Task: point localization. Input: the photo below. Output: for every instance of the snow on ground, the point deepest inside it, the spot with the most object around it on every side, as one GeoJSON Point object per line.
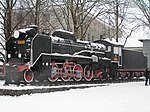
{"type": "Point", "coordinates": [125, 97]}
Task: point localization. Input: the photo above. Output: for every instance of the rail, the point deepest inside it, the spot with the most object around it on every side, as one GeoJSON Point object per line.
{"type": "Point", "coordinates": [1, 73]}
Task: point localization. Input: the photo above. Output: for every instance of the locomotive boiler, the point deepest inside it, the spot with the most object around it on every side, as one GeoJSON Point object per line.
{"type": "Point", "coordinates": [32, 56]}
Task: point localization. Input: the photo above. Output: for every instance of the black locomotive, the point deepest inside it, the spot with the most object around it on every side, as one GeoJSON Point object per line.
{"type": "Point", "coordinates": [32, 56]}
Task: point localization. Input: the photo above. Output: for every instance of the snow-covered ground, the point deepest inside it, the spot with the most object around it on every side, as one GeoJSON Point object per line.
{"type": "Point", "coordinates": [125, 97]}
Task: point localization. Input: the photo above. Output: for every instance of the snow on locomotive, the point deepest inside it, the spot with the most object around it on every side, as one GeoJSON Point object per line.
{"type": "Point", "coordinates": [32, 56]}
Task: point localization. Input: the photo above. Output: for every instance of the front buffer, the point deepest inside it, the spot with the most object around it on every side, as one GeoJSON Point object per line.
{"type": "Point", "coordinates": [17, 72]}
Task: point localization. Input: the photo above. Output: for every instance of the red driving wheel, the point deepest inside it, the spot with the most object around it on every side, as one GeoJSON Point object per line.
{"type": "Point", "coordinates": [54, 73]}
{"type": "Point", "coordinates": [88, 73]}
{"type": "Point", "coordinates": [66, 73]}
{"type": "Point", "coordinates": [28, 76]}
{"type": "Point", "coordinates": [77, 71]}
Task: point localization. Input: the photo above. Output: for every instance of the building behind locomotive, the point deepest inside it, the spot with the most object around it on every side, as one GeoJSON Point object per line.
{"type": "Point", "coordinates": [146, 49]}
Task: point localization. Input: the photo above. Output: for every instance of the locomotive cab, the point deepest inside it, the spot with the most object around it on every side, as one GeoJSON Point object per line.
{"type": "Point", "coordinates": [113, 51]}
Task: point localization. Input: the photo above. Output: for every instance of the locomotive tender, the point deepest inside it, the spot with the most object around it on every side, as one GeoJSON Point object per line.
{"type": "Point", "coordinates": [132, 63]}
{"type": "Point", "coordinates": [37, 57]}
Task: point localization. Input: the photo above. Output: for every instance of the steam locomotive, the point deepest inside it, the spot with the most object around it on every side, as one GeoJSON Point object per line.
{"type": "Point", "coordinates": [32, 56]}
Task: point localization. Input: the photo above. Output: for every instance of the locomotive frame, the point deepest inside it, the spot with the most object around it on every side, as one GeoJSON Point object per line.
{"type": "Point", "coordinates": [32, 56]}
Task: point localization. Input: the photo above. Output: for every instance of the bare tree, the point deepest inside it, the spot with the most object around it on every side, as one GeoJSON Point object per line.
{"type": "Point", "coordinates": [8, 23]}
{"type": "Point", "coordinates": [144, 6]}
{"type": "Point", "coordinates": [6, 17]}
{"type": "Point", "coordinates": [122, 19]}
{"type": "Point", "coordinates": [78, 14]}
{"type": "Point", "coordinates": [40, 13]}
{"type": "Point", "coordinates": [31, 9]}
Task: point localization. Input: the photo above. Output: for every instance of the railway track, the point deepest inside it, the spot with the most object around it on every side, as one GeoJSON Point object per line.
{"type": "Point", "coordinates": [72, 82]}
{"type": "Point", "coordinates": [47, 87]}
